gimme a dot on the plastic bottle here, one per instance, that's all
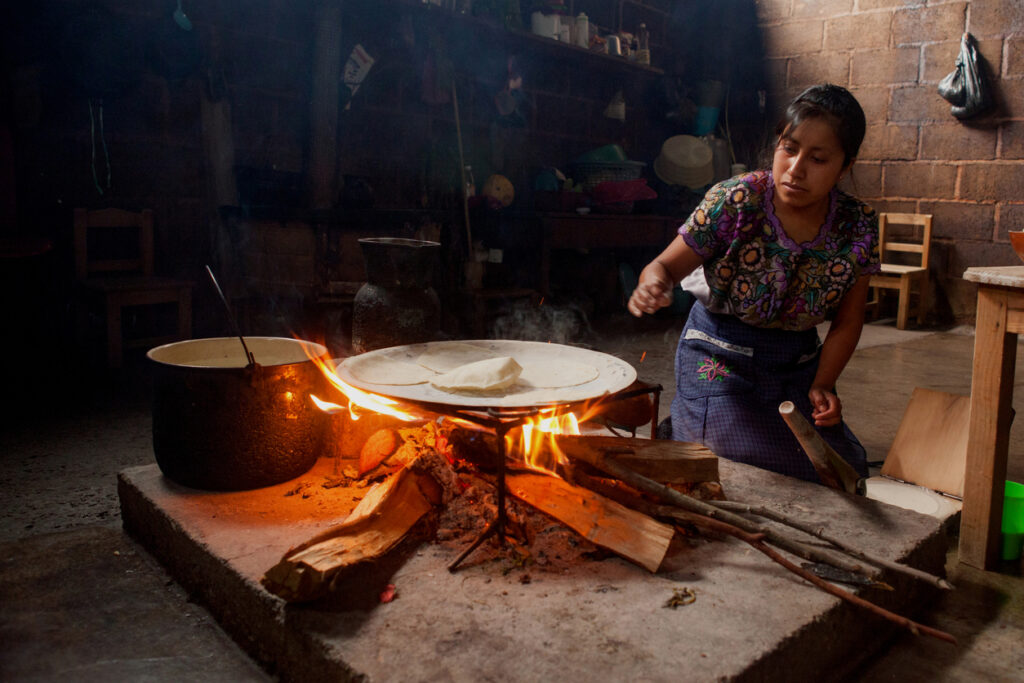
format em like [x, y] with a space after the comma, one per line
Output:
[643, 42]
[581, 32]
[470, 182]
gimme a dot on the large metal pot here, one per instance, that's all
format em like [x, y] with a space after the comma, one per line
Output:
[219, 424]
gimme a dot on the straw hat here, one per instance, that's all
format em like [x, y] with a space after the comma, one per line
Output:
[685, 160]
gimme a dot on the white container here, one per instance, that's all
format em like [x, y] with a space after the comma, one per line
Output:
[581, 32]
[614, 47]
[547, 25]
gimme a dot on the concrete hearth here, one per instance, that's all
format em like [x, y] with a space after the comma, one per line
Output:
[751, 618]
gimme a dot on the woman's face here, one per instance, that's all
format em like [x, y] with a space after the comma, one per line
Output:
[807, 165]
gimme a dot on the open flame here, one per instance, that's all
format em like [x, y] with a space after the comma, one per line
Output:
[359, 400]
[533, 443]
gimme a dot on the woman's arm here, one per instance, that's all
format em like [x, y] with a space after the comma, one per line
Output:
[839, 345]
[654, 288]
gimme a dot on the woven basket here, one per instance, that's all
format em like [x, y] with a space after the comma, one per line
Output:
[590, 173]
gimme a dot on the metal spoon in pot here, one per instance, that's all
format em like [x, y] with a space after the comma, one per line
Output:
[231, 317]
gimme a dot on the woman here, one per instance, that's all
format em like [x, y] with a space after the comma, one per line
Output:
[780, 250]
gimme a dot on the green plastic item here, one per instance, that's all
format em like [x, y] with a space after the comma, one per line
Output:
[1013, 521]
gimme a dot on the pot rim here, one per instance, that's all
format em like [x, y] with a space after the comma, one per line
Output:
[311, 349]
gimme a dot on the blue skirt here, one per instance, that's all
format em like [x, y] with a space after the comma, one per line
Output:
[731, 378]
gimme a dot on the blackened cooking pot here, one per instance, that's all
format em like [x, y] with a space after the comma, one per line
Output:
[219, 424]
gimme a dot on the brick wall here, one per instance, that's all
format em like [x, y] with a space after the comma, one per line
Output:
[916, 156]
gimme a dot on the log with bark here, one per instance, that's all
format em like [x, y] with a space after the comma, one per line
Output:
[667, 462]
[389, 514]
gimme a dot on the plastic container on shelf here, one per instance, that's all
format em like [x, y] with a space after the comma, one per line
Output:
[581, 31]
[643, 45]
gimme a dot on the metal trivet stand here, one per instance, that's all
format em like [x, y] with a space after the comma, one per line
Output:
[502, 421]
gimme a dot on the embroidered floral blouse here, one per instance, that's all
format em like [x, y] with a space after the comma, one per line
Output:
[756, 272]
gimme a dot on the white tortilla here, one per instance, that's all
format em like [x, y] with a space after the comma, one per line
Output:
[490, 375]
[452, 355]
[555, 374]
[379, 369]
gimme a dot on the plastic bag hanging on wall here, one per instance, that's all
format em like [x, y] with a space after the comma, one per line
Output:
[965, 86]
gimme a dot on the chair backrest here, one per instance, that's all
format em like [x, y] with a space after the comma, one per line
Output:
[113, 242]
[917, 240]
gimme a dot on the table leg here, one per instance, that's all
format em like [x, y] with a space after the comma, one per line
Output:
[995, 358]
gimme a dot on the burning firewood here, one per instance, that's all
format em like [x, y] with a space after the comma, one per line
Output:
[607, 524]
[667, 462]
[381, 521]
[381, 445]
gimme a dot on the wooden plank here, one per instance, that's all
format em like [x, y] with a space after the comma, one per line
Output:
[988, 434]
[628, 533]
[667, 462]
[1014, 321]
[930, 448]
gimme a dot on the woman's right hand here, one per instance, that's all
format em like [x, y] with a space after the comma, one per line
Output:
[653, 290]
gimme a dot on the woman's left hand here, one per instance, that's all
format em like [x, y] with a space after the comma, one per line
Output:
[827, 409]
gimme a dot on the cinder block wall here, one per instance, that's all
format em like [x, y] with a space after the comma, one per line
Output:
[917, 157]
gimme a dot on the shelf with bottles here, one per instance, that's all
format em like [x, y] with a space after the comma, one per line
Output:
[512, 29]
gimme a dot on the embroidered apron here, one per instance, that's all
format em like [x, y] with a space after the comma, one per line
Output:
[731, 378]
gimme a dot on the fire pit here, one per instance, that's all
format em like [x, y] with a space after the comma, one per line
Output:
[443, 624]
[750, 619]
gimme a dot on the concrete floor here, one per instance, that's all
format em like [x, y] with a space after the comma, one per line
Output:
[83, 602]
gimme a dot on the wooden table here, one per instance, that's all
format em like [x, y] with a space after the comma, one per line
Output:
[1000, 319]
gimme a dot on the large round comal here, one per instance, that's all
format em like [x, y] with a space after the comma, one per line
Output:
[221, 424]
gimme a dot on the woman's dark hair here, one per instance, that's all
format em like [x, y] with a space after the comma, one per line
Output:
[836, 105]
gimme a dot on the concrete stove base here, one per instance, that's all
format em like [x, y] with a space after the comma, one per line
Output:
[751, 619]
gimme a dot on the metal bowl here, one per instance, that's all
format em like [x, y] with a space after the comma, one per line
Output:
[1017, 240]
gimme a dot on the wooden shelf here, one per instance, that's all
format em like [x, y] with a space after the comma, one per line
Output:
[491, 32]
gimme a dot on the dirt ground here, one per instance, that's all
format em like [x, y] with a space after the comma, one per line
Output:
[83, 602]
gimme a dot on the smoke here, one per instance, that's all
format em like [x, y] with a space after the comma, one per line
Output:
[561, 324]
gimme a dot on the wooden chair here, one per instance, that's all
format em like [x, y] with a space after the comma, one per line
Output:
[114, 263]
[902, 274]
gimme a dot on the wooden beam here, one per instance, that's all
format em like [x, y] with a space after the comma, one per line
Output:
[323, 109]
[988, 435]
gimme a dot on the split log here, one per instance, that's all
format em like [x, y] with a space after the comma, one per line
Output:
[627, 533]
[667, 462]
[376, 526]
[831, 468]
